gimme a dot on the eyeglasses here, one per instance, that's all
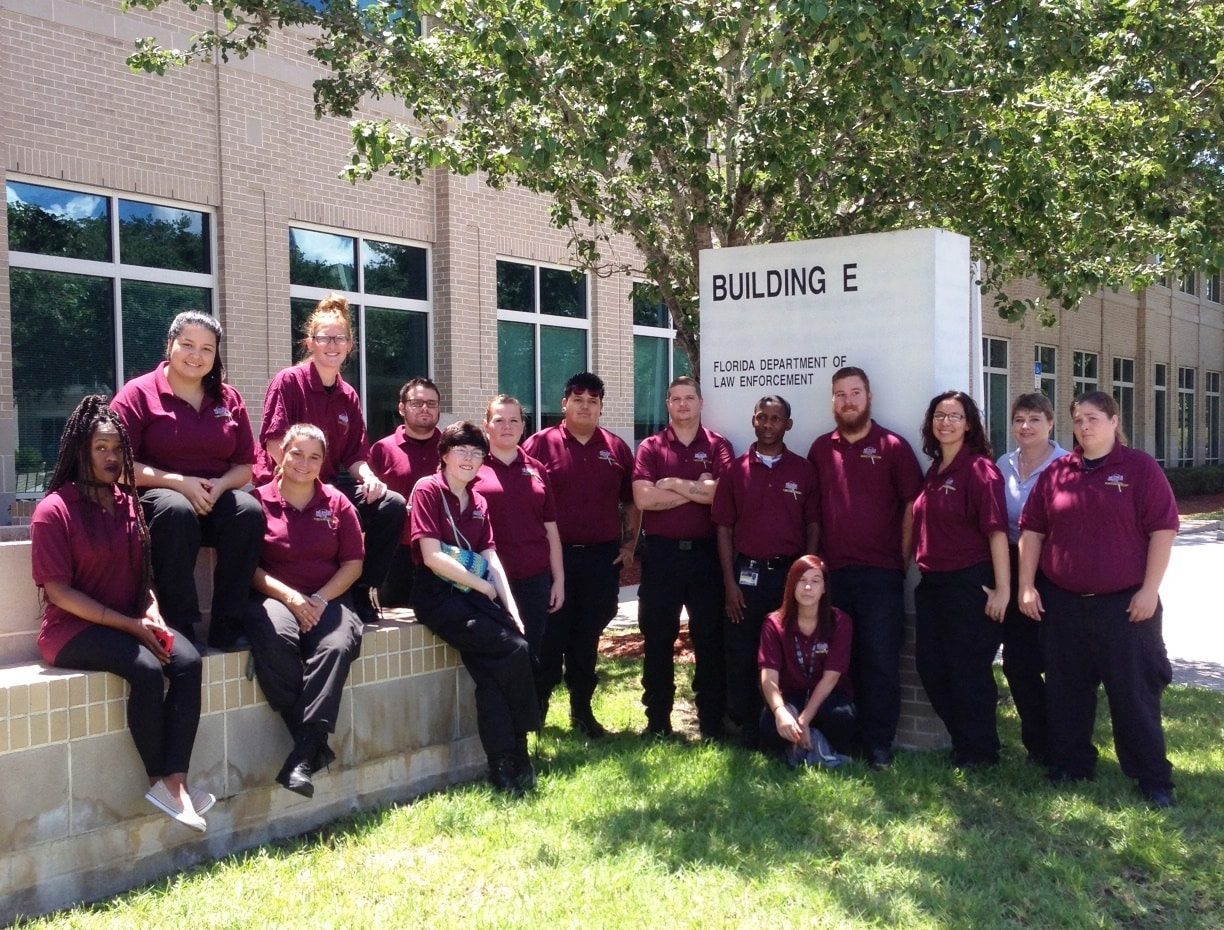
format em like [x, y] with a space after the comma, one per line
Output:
[948, 417]
[331, 340]
[421, 404]
[468, 452]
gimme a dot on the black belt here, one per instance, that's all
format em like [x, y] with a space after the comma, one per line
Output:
[684, 545]
[609, 542]
[778, 563]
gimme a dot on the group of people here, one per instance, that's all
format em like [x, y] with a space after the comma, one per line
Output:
[791, 568]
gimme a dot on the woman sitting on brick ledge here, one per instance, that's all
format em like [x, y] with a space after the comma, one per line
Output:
[90, 552]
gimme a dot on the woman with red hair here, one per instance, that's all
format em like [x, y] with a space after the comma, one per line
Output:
[804, 657]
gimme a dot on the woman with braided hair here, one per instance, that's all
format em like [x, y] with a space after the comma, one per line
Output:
[91, 561]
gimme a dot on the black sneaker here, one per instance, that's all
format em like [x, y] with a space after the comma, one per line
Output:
[879, 758]
[584, 722]
[504, 775]
[1160, 799]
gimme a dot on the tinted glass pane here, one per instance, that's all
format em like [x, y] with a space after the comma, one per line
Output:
[998, 353]
[147, 311]
[680, 362]
[396, 349]
[1162, 424]
[648, 309]
[50, 221]
[319, 259]
[562, 354]
[515, 287]
[63, 349]
[650, 378]
[997, 409]
[394, 270]
[299, 311]
[163, 237]
[561, 294]
[516, 366]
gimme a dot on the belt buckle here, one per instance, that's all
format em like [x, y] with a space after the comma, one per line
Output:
[684, 545]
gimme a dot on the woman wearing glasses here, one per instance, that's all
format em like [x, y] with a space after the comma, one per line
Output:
[460, 592]
[314, 392]
[960, 535]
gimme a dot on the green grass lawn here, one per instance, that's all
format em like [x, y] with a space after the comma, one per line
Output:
[624, 833]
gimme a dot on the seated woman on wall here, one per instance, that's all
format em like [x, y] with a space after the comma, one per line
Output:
[804, 658]
[91, 560]
[304, 632]
[192, 442]
[474, 610]
[315, 392]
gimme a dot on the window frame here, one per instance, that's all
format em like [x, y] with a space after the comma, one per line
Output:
[1005, 372]
[1160, 411]
[1119, 383]
[1211, 287]
[1043, 377]
[1082, 383]
[1211, 394]
[1186, 388]
[361, 300]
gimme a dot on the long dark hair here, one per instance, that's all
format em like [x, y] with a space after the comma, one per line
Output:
[72, 466]
[216, 375]
[1107, 404]
[975, 434]
[789, 611]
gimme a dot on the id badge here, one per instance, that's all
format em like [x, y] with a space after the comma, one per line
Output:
[749, 577]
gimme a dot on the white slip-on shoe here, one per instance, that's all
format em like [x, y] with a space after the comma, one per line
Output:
[201, 800]
[161, 798]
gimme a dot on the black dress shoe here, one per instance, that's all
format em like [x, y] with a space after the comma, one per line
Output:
[584, 722]
[1160, 799]
[295, 775]
[504, 775]
[879, 758]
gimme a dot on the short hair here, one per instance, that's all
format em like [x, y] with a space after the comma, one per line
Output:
[1035, 401]
[502, 399]
[216, 375]
[851, 371]
[774, 399]
[418, 382]
[584, 382]
[333, 305]
[975, 435]
[463, 433]
[1106, 404]
[687, 381]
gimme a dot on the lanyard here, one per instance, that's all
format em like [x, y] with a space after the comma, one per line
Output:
[807, 664]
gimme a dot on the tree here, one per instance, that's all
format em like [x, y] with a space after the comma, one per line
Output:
[1072, 140]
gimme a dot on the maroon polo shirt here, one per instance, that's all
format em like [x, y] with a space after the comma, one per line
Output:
[864, 489]
[801, 661]
[297, 395]
[304, 548]
[955, 513]
[170, 434]
[401, 460]
[663, 455]
[520, 503]
[589, 482]
[768, 507]
[1096, 522]
[429, 520]
[74, 540]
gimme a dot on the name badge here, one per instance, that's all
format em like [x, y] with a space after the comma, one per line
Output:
[749, 577]
[822, 648]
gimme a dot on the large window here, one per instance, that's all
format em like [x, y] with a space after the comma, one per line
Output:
[543, 331]
[1212, 289]
[1185, 417]
[94, 280]
[1213, 417]
[998, 398]
[1083, 373]
[1124, 393]
[1045, 371]
[1186, 283]
[656, 360]
[1160, 394]
[387, 286]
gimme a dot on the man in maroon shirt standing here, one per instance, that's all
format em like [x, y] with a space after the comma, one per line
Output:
[590, 470]
[868, 478]
[401, 459]
[766, 510]
[675, 476]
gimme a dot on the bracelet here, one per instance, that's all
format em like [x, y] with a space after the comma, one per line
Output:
[319, 597]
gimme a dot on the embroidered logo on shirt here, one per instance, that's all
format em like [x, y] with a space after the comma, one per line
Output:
[792, 488]
[822, 648]
[948, 485]
[871, 453]
[700, 457]
[531, 472]
[607, 456]
[222, 413]
[323, 515]
[343, 420]
[1116, 480]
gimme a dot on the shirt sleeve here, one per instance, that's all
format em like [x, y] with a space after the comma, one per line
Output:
[645, 465]
[356, 448]
[550, 502]
[427, 519]
[724, 457]
[811, 500]
[484, 540]
[276, 413]
[840, 642]
[990, 503]
[723, 510]
[625, 457]
[1158, 507]
[1034, 516]
[769, 652]
[378, 459]
[50, 542]
[244, 448]
[907, 473]
[125, 403]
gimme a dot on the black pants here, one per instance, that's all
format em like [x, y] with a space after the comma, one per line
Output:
[163, 721]
[675, 577]
[383, 525]
[1024, 668]
[571, 638]
[954, 652]
[742, 641]
[396, 588]
[835, 719]
[303, 674]
[494, 653]
[874, 598]
[1089, 641]
[234, 527]
[532, 595]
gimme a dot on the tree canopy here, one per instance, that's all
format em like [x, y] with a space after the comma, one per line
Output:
[1076, 141]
